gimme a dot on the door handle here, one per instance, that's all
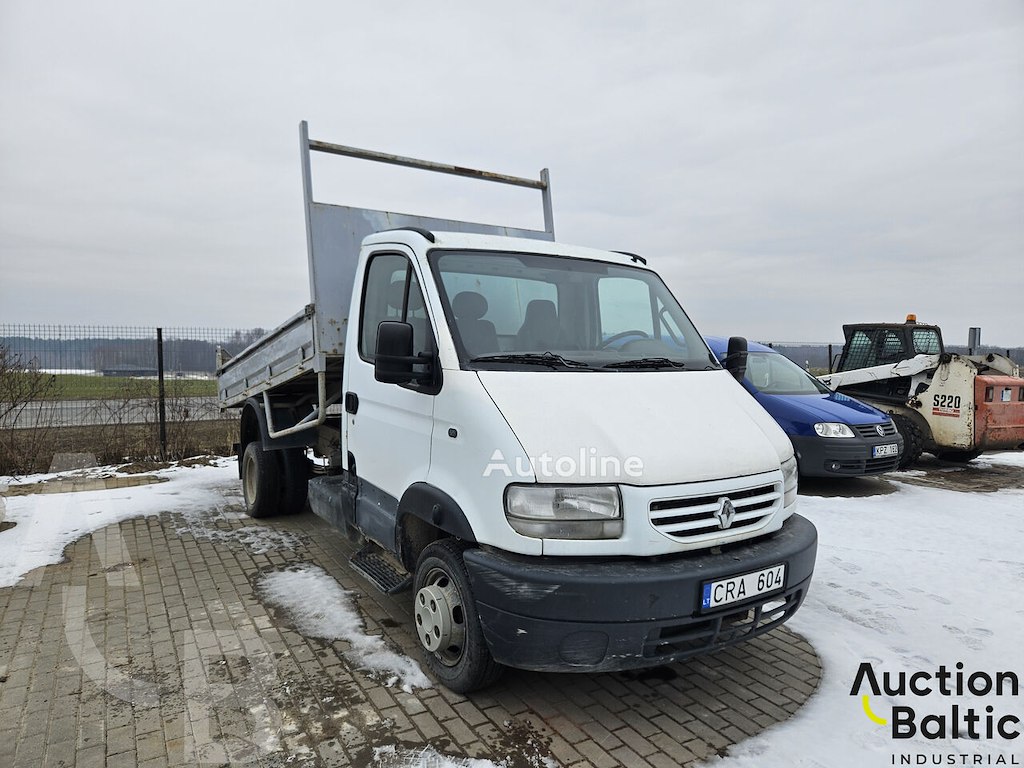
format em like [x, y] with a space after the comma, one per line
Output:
[351, 402]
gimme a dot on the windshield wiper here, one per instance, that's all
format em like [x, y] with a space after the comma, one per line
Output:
[646, 362]
[530, 358]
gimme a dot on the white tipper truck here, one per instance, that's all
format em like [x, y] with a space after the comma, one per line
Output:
[531, 436]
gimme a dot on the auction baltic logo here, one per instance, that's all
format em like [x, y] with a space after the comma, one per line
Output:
[953, 721]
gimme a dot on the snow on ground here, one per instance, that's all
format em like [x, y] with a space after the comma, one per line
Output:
[201, 496]
[73, 474]
[428, 757]
[257, 539]
[320, 607]
[907, 581]
[46, 523]
[202, 523]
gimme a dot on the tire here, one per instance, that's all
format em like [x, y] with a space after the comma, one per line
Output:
[960, 457]
[913, 440]
[446, 622]
[294, 468]
[261, 481]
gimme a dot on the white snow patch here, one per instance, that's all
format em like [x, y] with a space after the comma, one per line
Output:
[906, 473]
[200, 523]
[75, 474]
[46, 523]
[428, 757]
[257, 539]
[1004, 459]
[320, 607]
[908, 581]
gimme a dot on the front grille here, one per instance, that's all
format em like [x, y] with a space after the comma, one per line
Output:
[691, 517]
[869, 431]
[867, 466]
[883, 464]
[680, 641]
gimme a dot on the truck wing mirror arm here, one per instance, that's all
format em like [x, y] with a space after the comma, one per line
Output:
[394, 361]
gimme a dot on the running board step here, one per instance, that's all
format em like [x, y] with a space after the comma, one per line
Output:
[380, 569]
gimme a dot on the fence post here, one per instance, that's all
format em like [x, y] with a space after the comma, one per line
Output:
[830, 358]
[162, 402]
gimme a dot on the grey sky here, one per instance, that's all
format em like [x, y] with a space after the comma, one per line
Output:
[788, 166]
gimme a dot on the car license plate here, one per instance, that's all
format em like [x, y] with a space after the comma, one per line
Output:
[737, 588]
[889, 449]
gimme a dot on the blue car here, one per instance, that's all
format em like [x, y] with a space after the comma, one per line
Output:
[834, 435]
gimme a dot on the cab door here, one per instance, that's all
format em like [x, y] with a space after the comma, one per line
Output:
[387, 426]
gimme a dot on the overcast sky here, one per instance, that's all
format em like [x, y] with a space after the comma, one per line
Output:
[787, 166]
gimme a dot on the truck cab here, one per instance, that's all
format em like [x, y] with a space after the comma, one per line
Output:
[872, 344]
[536, 442]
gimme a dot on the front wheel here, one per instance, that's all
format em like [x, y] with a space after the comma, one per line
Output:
[446, 621]
[913, 440]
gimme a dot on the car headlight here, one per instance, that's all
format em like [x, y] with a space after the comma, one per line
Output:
[833, 429]
[564, 512]
[790, 477]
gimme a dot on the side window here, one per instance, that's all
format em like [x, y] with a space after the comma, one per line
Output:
[926, 342]
[625, 305]
[860, 352]
[392, 293]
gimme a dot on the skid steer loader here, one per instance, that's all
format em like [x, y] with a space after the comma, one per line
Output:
[954, 406]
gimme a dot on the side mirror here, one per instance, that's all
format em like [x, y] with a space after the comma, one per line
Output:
[736, 357]
[393, 362]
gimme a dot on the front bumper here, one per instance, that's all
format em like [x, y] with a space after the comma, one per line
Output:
[574, 615]
[833, 456]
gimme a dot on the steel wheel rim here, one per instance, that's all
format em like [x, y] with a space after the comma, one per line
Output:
[251, 479]
[441, 617]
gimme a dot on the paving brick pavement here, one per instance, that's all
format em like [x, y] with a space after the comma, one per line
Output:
[150, 645]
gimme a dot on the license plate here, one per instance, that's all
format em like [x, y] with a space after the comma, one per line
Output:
[890, 449]
[737, 588]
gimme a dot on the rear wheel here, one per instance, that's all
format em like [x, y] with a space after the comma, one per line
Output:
[294, 480]
[446, 621]
[913, 440]
[260, 481]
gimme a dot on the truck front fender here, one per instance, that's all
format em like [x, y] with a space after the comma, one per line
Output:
[438, 509]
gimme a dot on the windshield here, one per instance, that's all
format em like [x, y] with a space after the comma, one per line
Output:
[514, 309]
[775, 374]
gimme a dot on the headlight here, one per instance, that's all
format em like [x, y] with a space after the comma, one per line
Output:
[564, 512]
[833, 429]
[790, 475]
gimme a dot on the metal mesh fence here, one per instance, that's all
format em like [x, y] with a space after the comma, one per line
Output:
[95, 390]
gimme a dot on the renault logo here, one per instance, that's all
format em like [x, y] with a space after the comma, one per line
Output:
[880, 430]
[726, 513]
